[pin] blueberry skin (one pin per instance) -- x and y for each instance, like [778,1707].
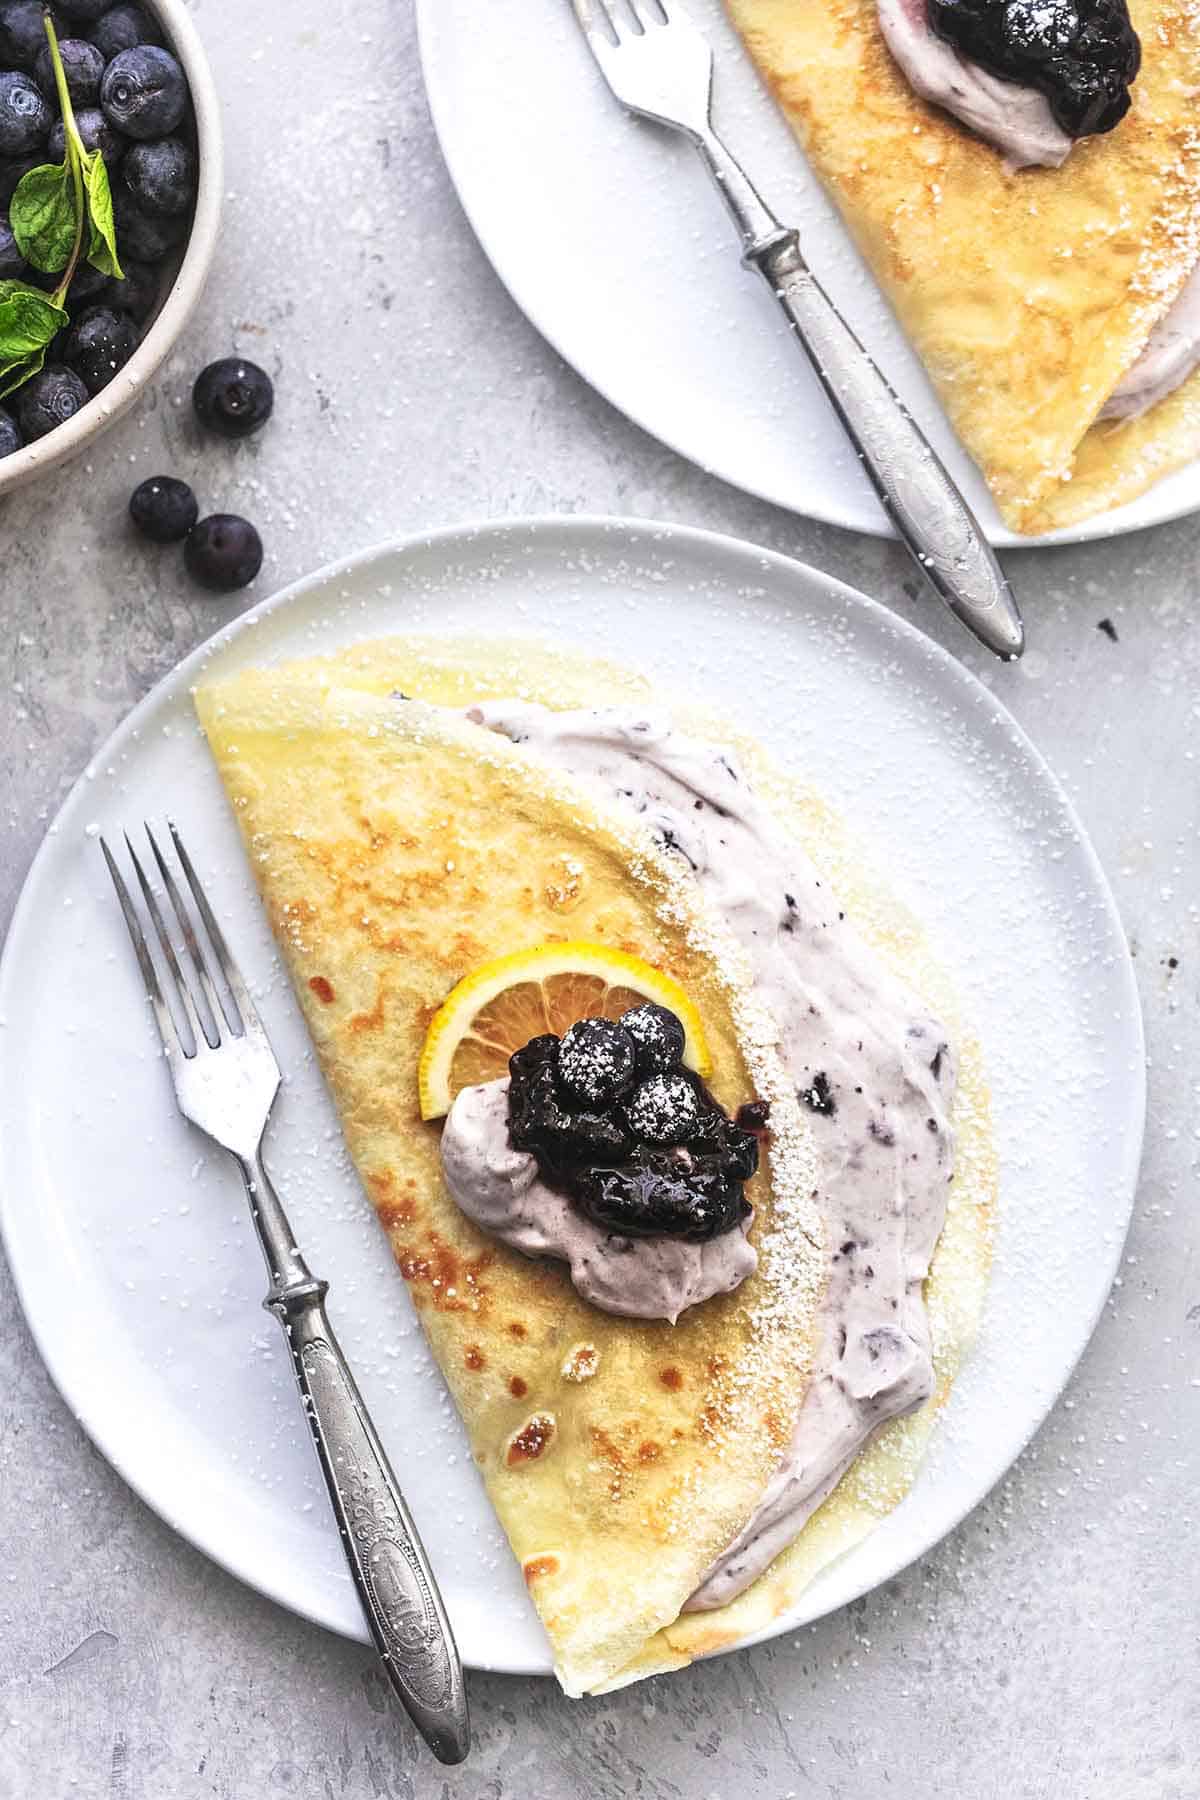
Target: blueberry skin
[138,294]
[146,237]
[25,118]
[49,399]
[223,552]
[161,176]
[233,397]
[87,286]
[10,437]
[22,34]
[83,9]
[96,132]
[13,266]
[121,28]
[163,509]
[100,342]
[83,66]
[144,92]
[12,172]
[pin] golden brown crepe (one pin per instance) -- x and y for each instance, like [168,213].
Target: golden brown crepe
[1028,294]
[395,851]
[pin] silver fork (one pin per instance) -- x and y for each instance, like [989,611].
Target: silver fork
[659,65]
[226,1079]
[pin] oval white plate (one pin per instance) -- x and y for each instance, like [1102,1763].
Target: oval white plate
[128,1235]
[610,236]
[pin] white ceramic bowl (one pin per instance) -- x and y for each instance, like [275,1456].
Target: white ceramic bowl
[185,287]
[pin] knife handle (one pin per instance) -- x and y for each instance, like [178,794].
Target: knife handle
[912,483]
[387,1560]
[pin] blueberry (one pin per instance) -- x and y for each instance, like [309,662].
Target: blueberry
[656,1196]
[665,1109]
[144,92]
[12,172]
[233,397]
[24,115]
[223,552]
[121,28]
[87,287]
[10,437]
[658,1036]
[12,263]
[138,293]
[163,509]
[22,34]
[532,1055]
[82,64]
[48,399]
[101,342]
[161,175]
[84,9]
[146,236]
[96,132]
[596,1061]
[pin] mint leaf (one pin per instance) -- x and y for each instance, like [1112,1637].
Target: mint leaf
[28,321]
[102,243]
[43,217]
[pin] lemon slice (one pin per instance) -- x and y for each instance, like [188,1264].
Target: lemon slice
[499,1006]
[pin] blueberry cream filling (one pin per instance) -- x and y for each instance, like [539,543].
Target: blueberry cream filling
[1029,76]
[874,1071]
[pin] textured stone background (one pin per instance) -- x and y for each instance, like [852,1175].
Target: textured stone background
[1048,1648]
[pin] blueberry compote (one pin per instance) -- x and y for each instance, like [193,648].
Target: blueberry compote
[1081,54]
[635,1140]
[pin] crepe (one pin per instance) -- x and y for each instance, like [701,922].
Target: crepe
[395,850]
[1029,294]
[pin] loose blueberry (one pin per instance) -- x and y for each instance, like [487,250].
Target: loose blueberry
[12,263]
[146,236]
[96,132]
[139,292]
[658,1036]
[25,117]
[665,1109]
[233,397]
[82,64]
[22,34]
[596,1061]
[90,10]
[49,399]
[10,437]
[101,342]
[121,28]
[87,287]
[161,176]
[223,552]
[144,92]
[163,509]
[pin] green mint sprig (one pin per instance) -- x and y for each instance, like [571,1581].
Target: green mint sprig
[60,213]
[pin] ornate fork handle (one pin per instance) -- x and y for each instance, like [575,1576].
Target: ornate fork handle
[385,1554]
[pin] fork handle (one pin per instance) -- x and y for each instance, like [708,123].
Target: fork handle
[916,491]
[387,1559]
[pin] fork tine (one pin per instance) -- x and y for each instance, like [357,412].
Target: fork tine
[183,992]
[599,24]
[195,950]
[648,13]
[251,1023]
[162,1012]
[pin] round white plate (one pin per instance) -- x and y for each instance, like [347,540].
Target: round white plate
[128,1234]
[610,236]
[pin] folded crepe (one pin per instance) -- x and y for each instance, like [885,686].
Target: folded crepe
[1030,293]
[396,848]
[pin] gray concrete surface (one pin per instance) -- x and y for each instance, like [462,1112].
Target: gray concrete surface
[1049,1647]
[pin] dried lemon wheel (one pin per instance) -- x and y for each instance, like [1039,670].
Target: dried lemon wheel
[499,1006]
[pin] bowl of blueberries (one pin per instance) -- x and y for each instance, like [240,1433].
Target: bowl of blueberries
[110,187]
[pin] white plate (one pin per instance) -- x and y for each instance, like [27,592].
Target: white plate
[128,1235]
[609,235]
